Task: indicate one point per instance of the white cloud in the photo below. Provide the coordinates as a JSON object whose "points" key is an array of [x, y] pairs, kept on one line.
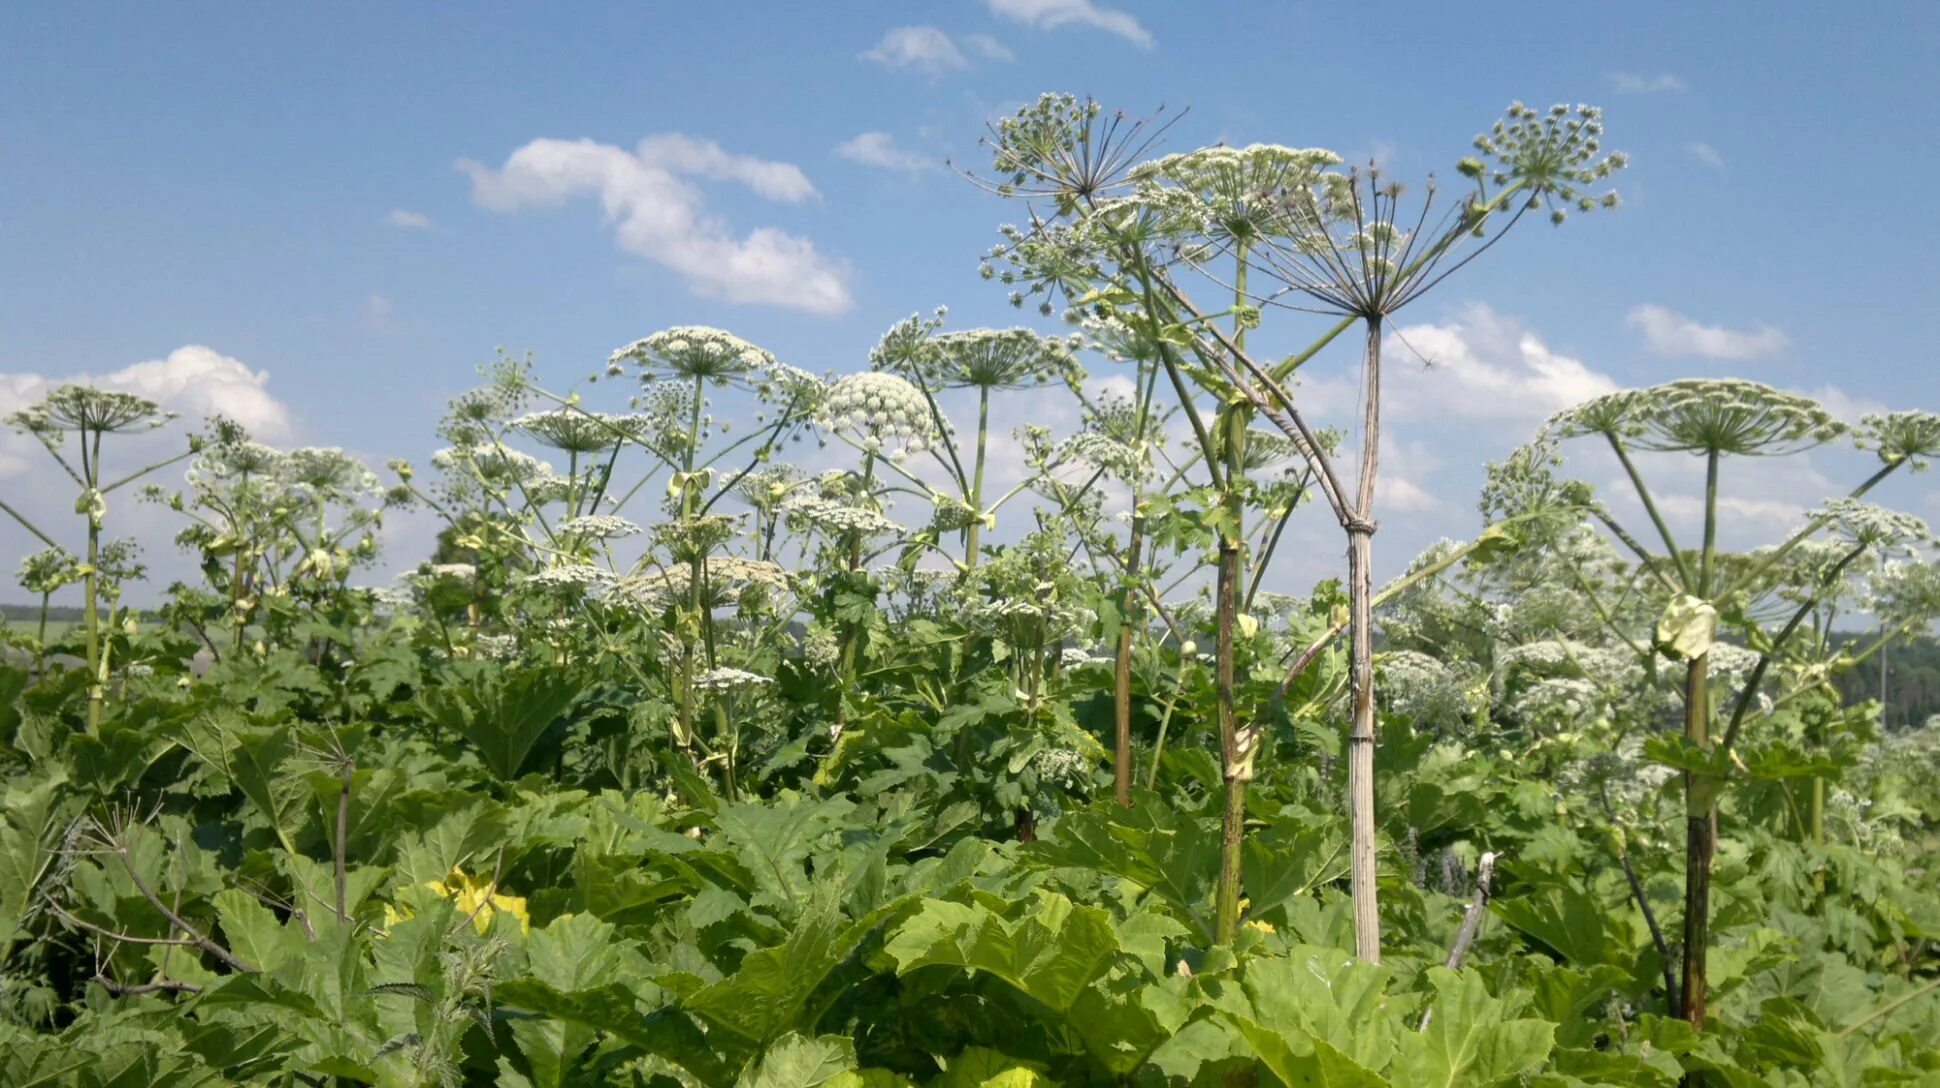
{"points": [[659, 214], [1633, 83], [988, 47], [1773, 513], [781, 181], [1051, 14], [923, 48], [194, 381], [1482, 366], [1706, 154], [1667, 332], [1394, 492], [404, 219], [879, 149]]}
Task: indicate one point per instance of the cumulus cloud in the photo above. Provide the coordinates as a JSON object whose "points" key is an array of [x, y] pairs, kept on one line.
{"points": [[779, 181], [659, 213], [195, 381], [1398, 493], [1633, 83], [1482, 366], [1773, 514], [1051, 14], [922, 48], [879, 149], [1706, 154], [405, 219], [1667, 332]]}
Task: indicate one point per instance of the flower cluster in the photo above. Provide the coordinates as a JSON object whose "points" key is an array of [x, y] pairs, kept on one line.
{"points": [[1244, 189], [725, 680], [1703, 415], [567, 576], [599, 527], [691, 352], [1868, 525], [47, 570], [992, 359], [726, 575], [85, 409], [326, 474], [576, 430], [838, 518], [1556, 155], [1063, 767], [1423, 689], [1912, 437], [882, 413]]}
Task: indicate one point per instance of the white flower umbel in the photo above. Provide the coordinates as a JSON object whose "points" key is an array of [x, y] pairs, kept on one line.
{"points": [[1910, 437], [1703, 415], [691, 352], [85, 409], [838, 518], [726, 680], [576, 430], [1242, 188], [1868, 525], [726, 574], [568, 576], [993, 359], [598, 527], [881, 413]]}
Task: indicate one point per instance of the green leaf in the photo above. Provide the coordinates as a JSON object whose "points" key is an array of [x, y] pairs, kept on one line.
{"points": [[1470, 1041], [1569, 921], [978, 1067], [769, 994], [616, 1009], [798, 1061], [1051, 950]]}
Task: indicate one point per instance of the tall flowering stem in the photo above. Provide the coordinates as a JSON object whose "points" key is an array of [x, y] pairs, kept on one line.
{"points": [[1717, 420], [89, 415]]}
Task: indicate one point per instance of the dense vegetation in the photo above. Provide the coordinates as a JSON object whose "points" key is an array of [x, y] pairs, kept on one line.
{"points": [[884, 774]]}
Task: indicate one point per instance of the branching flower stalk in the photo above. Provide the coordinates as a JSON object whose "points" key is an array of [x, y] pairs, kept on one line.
{"points": [[1336, 244], [91, 414], [1716, 419]]}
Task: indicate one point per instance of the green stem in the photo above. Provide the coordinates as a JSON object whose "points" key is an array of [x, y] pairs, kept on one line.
{"points": [[1700, 843], [1656, 518], [1710, 521], [976, 486]]}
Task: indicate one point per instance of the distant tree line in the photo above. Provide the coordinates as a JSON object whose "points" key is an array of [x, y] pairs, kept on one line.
{"points": [[1912, 692]]}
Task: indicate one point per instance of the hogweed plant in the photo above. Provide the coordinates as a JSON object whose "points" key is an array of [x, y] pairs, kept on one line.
{"points": [[677, 762], [87, 415], [1122, 239], [1699, 590]]}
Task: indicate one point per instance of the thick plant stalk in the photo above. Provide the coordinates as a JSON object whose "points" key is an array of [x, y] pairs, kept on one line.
{"points": [[1360, 737], [1478, 905], [1122, 671], [1237, 748], [347, 775], [97, 689], [972, 536], [1238, 765], [1472, 916], [1362, 874], [1700, 842]]}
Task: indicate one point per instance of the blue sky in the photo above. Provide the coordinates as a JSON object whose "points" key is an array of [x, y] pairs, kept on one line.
{"points": [[231, 191]]}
